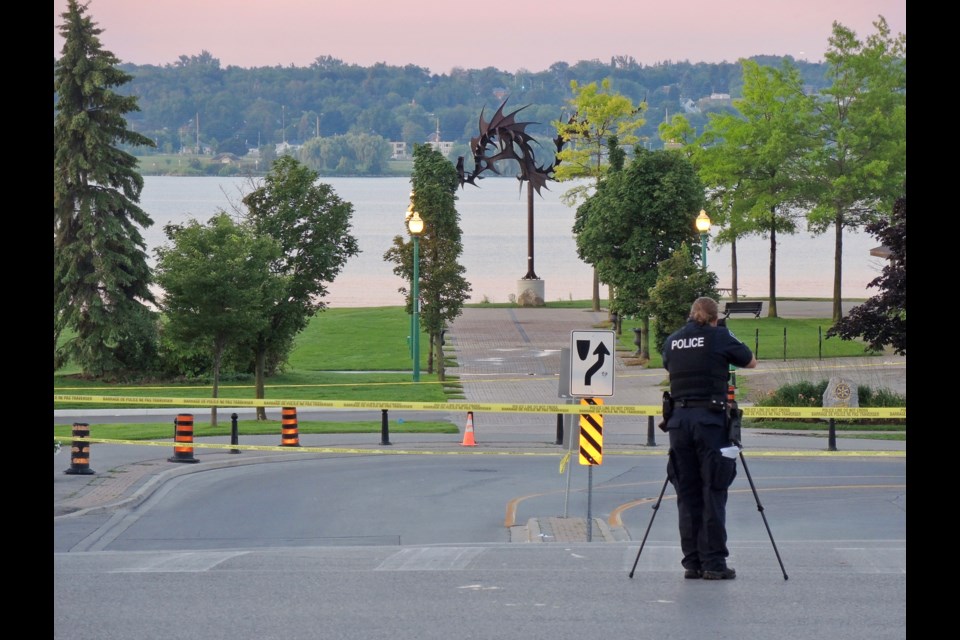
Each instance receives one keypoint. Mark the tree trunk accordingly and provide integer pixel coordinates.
(441, 365)
(260, 374)
(430, 339)
(837, 269)
(217, 357)
(596, 291)
(733, 270)
(645, 336)
(772, 305)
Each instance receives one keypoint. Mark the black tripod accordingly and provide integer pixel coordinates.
(650, 524)
(759, 508)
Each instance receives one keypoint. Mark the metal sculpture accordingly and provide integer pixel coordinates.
(503, 138)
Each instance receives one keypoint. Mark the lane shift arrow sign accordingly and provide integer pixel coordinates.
(591, 372)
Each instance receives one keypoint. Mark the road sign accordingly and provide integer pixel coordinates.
(591, 434)
(592, 363)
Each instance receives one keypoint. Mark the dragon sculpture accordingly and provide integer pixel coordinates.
(503, 138)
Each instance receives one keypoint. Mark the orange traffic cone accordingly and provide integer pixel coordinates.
(468, 432)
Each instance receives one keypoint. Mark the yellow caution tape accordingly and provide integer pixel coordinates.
(564, 460)
(575, 409)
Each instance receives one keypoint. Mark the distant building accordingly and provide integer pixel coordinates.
(443, 146)
(285, 148)
(438, 144)
(226, 158)
(714, 101)
(399, 150)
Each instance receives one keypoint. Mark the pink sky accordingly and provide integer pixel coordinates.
(441, 35)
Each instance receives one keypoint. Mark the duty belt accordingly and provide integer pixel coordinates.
(696, 404)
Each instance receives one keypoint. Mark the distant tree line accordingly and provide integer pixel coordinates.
(194, 101)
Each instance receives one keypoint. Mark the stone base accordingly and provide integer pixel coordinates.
(530, 293)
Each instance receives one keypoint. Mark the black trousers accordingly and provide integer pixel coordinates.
(701, 476)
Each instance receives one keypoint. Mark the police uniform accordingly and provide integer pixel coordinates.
(698, 359)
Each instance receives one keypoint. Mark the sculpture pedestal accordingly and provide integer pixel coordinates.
(530, 293)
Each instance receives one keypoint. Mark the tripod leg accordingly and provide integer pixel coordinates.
(760, 509)
(650, 524)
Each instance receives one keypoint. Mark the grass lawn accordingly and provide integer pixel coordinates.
(362, 354)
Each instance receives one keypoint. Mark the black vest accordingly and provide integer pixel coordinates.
(696, 370)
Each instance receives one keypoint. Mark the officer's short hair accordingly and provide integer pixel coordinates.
(704, 310)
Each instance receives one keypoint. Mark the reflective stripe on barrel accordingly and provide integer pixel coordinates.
(290, 430)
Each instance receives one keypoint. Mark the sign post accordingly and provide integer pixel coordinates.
(592, 362)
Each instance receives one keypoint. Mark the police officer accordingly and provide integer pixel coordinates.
(698, 358)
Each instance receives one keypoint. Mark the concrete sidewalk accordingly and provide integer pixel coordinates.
(505, 356)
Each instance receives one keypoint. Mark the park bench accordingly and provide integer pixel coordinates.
(742, 307)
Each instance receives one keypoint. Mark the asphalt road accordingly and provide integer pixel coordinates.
(413, 546)
(416, 540)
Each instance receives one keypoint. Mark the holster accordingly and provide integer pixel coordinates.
(667, 411)
(734, 421)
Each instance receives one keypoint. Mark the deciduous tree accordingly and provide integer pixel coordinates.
(638, 217)
(751, 159)
(598, 114)
(858, 165)
(311, 224)
(882, 320)
(218, 288)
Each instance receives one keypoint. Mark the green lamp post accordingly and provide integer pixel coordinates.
(703, 226)
(415, 226)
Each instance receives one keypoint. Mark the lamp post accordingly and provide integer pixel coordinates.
(415, 226)
(703, 226)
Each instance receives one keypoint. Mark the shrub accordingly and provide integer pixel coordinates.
(810, 394)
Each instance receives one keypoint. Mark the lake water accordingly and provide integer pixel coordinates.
(493, 218)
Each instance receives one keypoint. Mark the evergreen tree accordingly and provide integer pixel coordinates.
(443, 288)
(680, 281)
(101, 283)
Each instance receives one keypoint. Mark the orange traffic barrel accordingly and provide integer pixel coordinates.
(80, 451)
(183, 438)
(290, 429)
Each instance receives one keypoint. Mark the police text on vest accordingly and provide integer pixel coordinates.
(686, 343)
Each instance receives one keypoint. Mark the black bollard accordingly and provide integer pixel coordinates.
(559, 429)
(832, 436)
(234, 432)
(651, 440)
(384, 428)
